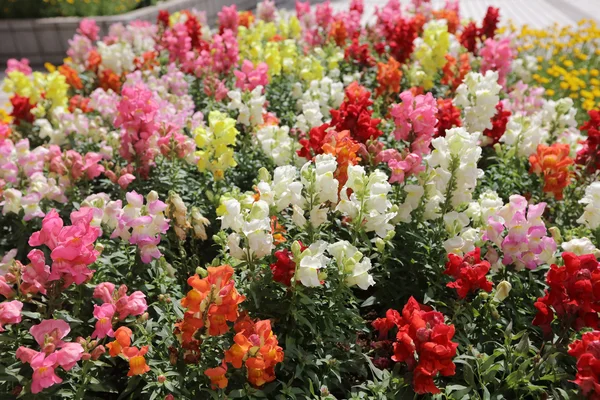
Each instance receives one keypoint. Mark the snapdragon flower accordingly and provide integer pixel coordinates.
(591, 210)
(117, 57)
(478, 96)
(352, 264)
(430, 50)
(277, 144)
(250, 105)
(215, 143)
(524, 134)
(368, 206)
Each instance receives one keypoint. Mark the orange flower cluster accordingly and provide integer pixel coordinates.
(246, 18)
(122, 346)
(455, 70)
(71, 76)
(344, 148)
(110, 80)
(255, 347)
(451, 18)
(210, 304)
(388, 76)
(338, 32)
(553, 163)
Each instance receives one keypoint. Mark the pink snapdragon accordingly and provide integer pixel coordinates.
(265, 10)
(35, 275)
(79, 49)
(10, 313)
(519, 231)
(497, 55)
(415, 119)
(177, 42)
(524, 99)
(250, 77)
(125, 305)
(54, 353)
(15, 65)
(136, 118)
(324, 14)
(142, 224)
(72, 246)
(411, 165)
(104, 315)
(88, 28)
(105, 103)
(228, 19)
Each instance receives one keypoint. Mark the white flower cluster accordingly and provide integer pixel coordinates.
(488, 204)
(276, 143)
(454, 160)
(462, 237)
(558, 119)
(478, 97)
(524, 68)
(580, 247)
(327, 93)
(118, 57)
(284, 190)
(249, 220)
(591, 211)
(312, 260)
(368, 205)
(352, 264)
(524, 134)
(311, 116)
(414, 194)
(250, 106)
(320, 187)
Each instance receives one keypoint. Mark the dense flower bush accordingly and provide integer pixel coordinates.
(295, 205)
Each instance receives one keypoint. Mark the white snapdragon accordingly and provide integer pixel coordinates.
(118, 57)
(312, 260)
(591, 210)
(311, 116)
(327, 93)
(250, 105)
(277, 144)
(488, 204)
(283, 190)
(352, 264)
(580, 246)
(524, 68)
(559, 115)
(478, 97)
(368, 204)
(414, 194)
(454, 160)
(524, 134)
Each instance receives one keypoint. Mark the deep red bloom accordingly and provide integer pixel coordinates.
(313, 145)
(284, 269)
(499, 122)
(359, 53)
(468, 37)
(194, 30)
(400, 37)
(21, 109)
(421, 334)
(589, 155)
(490, 23)
(587, 352)
(354, 114)
(469, 273)
(448, 116)
(162, 19)
(573, 293)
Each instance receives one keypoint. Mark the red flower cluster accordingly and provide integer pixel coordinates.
(400, 37)
(469, 273)
(587, 352)
(499, 122)
(448, 116)
(553, 163)
(572, 293)
(21, 109)
(589, 155)
(359, 53)
(354, 115)
(471, 32)
(284, 269)
(423, 335)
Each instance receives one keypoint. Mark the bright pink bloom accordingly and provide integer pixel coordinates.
(228, 19)
(104, 291)
(88, 28)
(35, 274)
(497, 55)
(104, 315)
(48, 235)
(249, 77)
(25, 354)
(15, 65)
(415, 119)
(10, 313)
(43, 372)
(50, 331)
(69, 354)
(6, 289)
(134, 304)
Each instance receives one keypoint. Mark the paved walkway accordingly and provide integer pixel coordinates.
(535, 13)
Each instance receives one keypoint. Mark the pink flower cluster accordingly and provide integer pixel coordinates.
(72, 247)
(115, 302)
(73, 165)
(10, 313)
(228, 19)
(142, 224)
(15, 65)
(415, 119)
(136, 114)
(266, 10)
(177, 42)
(54, 353)
(523, 99)
(497, 55)
(221, 56)
(519, 231)
(249, 77)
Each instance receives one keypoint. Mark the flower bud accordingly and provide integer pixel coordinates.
(555, 232)
(97, 352)
(161, 379)
(86, 356)
(169, 397)
(380, 244)
(99, 247)
(144, 317)
(502, 291)
(202, 272)
(296, 249)
(322, 275)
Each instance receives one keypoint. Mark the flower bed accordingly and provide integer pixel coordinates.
(294, 205)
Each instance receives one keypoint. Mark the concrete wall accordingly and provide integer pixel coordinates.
(46, 39)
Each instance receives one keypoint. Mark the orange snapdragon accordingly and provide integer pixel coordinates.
(121, 346)
(388, 76)
(344, 148)
(552, 162)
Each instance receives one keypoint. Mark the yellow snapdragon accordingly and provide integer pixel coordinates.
(432, 51)
(215, 153)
